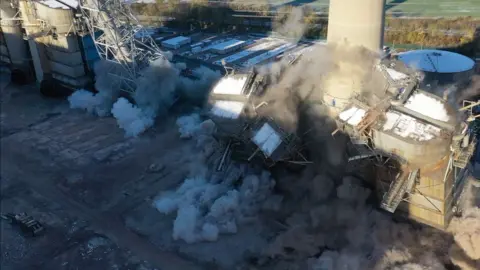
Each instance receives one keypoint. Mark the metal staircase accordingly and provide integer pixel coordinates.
(463, 155)
(401, 185)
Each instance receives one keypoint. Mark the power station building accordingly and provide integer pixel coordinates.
(40, 41)
(421, 148)
(427, 139)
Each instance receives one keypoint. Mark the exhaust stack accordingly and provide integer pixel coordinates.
(358, 22)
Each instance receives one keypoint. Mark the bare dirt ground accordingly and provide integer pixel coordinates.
(80, 177)
(67, 168)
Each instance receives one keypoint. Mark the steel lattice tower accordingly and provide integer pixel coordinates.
(119, 38)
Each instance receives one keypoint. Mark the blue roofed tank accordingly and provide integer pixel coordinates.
(438, 69)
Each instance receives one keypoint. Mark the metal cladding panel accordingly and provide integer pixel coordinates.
(427, 202)
(66, 58)
(359, 23)
(413, 152)
(421, 214)
(75, 71)
(446, 78)
(12, 34)
(38, 62)
(63, 43)
(72, 82)
(61, 19)
(90, 51)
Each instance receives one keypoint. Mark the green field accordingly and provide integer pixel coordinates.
(411, 8)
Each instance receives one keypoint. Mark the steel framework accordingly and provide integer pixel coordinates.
(119, 38)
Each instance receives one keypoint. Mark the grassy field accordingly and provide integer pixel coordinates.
(412, 8)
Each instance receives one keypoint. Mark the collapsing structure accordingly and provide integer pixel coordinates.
(419, 145)
(429, 142)
(250, 135)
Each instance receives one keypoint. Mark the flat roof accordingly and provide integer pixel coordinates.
(268, 55)
(436, 61)
(230, 85)
(409, 127)
(244, 53)
(227, 109)
(176, 40)
(427, 105)
(227, 44)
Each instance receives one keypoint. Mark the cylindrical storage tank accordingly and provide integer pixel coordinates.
(360, 23)
(59, 57)
(14, 46)
(439, 67)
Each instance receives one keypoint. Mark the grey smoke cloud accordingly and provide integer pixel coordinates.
(333, 218)
(157, 89)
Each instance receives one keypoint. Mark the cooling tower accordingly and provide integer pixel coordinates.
(358, 22)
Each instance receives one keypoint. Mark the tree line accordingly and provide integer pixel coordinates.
(218, 16)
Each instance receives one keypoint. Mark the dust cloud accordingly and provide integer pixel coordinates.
(330, 223)
(471, 91)
(157, 89)
(326, 212)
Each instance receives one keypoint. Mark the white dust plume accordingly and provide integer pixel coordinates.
(210, 203)
(98, 104)
(157, 89)
(131, 118)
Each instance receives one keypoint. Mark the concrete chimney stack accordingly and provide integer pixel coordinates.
(358, 22)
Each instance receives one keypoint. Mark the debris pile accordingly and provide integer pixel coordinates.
(214, 202)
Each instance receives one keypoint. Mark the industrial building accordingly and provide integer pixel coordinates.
(227, 46)
(428, 139)
(420, 131)
(418, 145)
(40, 39)
(176, 42)
(13, 49)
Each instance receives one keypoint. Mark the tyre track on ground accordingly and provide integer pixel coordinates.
(19, 167)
